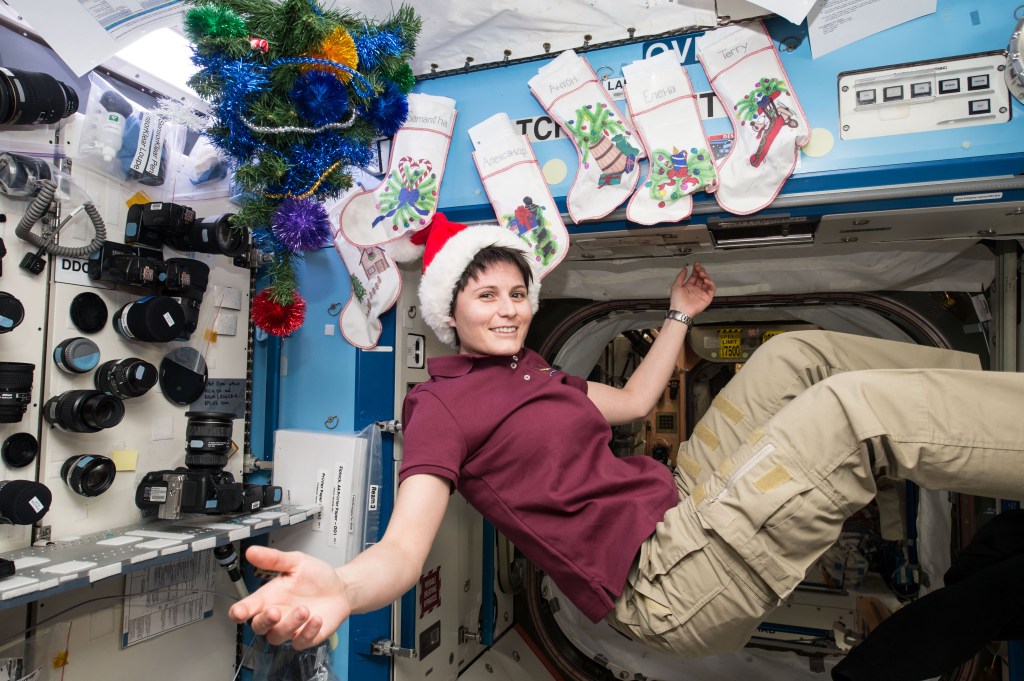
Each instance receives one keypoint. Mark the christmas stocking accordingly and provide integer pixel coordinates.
(407, 198)
(664, 111)
(374, 280)
(607, 148)
(517, 190)
(768, 123)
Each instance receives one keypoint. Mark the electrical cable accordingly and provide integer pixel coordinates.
(40, 204)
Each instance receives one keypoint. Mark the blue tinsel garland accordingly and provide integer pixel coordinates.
(374, 47)
(320, 97)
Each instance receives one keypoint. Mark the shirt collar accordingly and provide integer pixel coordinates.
(453, 366)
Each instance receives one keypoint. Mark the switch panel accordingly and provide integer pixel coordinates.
(937, 95)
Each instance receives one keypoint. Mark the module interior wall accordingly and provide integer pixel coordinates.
(153, 426)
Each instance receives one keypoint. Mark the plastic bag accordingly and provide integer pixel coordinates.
(284, 663)
(126, 141)
(203, 173)
(41, 657)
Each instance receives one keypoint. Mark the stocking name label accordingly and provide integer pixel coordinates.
(436, 122)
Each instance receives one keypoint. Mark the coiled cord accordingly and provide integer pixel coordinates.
(40, 204)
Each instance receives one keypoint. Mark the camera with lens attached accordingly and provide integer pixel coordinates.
(28, 97)
(202, 486)
(171, 224)
(182, 280)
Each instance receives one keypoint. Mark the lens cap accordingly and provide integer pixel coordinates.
(183, 375)
(19, 450)
(88, 312)
(12, 312)
(76, 355)
(24, 502)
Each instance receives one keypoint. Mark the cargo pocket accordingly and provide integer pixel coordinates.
(675, 577)
(761, 497)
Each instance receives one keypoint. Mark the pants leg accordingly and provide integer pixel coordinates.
(942, 629)
(776, 373)
(943, 429)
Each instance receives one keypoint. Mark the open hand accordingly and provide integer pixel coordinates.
(306, 603)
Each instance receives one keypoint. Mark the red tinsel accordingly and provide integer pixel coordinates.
(278, 320)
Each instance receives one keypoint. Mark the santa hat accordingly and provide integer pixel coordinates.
(449, 248)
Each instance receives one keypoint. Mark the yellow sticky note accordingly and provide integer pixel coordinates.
(137, 198)
(124, 459)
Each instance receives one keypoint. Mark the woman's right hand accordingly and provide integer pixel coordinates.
(306, 603)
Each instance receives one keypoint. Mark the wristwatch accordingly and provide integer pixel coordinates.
(680, 317)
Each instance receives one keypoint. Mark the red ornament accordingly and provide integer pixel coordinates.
(275, 319)
(259, 44)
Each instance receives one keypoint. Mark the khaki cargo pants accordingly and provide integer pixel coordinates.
(788, 450)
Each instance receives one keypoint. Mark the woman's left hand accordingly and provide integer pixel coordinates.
(692, 294)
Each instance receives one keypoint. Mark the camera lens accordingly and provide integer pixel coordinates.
(20, 175)
(83, 411)
(125, 378)
(207, 439)
(29, 97)
(12, 312)
(214, 234)
(15, 390)
(19, 450)
(76, 355)
(23, 502)
(88, 474)
(156, 319)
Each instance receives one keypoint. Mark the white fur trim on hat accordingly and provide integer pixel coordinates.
(447, 267)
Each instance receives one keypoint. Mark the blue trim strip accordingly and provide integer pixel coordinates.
(487, 587)
(1015, 658)
(271, 405)
(374, 401)
(408, 630)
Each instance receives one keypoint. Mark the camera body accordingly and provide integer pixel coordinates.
(149, 223)
(170, 224)
(202, 486)
(182, 279)
(173, 493)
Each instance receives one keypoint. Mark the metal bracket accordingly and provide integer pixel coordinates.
(387, 648)
(391, 426)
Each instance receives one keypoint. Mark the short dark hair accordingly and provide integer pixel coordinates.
(484, 259)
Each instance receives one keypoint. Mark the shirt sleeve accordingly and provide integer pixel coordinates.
(577, 382)
(432, 440)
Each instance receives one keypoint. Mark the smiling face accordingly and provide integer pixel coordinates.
(493, 313)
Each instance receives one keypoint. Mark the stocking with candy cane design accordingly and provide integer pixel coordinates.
(407, 198)
(768, 123)
(607, 147)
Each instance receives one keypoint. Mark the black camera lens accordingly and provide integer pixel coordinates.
(19, 450)
(125, 378)
(20, 175)
(83, 411)
(207, 439)
(15, 390)
(29, 97)
(213, 234)
(12, 312)
(156, 319)
(88, 312)
(76, 355)
(23, 502)
(88, 474)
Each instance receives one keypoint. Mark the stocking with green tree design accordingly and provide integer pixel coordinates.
(607, 147)
(745, 72)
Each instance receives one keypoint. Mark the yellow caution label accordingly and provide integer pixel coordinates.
(769, 334)
(730, 345)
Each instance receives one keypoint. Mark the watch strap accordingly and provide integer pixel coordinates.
(680, 317)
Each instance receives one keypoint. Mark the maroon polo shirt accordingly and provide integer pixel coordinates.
(528, 449)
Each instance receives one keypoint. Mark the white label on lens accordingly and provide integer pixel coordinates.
(169, 319)
(36, 505)
(206, 235)
(139, 370)
(195, 444)
(123, 326)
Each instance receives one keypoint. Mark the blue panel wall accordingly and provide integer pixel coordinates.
(957, 28)
(329, 385)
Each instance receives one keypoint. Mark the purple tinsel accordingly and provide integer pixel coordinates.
(301, 225)
(320, 97)
(388, 111)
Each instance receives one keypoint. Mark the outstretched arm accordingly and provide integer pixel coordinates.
(309, 600)
(643, 389)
